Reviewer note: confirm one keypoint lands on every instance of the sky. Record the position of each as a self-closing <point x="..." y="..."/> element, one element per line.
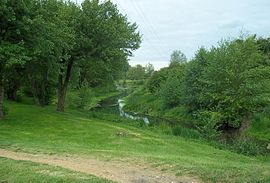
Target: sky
<point x="186" y="25"/>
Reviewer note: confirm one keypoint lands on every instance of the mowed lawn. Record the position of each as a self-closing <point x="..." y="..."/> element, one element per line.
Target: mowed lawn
<point x="34" y="129"/>
<point x="25" y="172"/>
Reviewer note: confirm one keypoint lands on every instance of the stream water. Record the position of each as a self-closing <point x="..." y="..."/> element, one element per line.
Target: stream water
<point x="114" y="105"/>
<point x="121" y="104"/>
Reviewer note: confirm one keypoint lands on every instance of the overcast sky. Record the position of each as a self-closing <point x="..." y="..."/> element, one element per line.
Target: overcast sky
<point x="186" y="25"/>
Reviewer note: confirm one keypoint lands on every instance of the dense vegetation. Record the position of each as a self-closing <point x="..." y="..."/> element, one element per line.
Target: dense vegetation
<point x="219" y="90"/>
<point x="46" y="44"/>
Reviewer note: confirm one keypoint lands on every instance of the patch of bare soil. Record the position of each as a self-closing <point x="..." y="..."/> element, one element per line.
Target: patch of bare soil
<point x="119" y="171"/>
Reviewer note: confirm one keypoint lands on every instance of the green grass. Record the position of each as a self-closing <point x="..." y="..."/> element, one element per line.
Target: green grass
<point x="26" y="172"/>
<point x="35" y="129"/>
<point x="260" y="127"/>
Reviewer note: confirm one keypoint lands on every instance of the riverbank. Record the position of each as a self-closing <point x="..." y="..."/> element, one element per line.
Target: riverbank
<point x="74" y="133"/>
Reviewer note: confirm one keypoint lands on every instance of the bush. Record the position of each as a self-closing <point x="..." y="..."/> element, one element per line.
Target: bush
<point x="250" y="147"/>
<point x="170" y="91"/>
<point x="246" y="146"/>
<point x="208" y="124"/>
<point x="82" y="99"/>
<point x="155" y="81"/>
<point x="19" y="96"/>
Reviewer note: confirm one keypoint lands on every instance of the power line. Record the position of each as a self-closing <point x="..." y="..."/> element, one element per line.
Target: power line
<point x="145" y="19"/>
<point x="147" y="23"/>
<point x="123" y="9"/>
<point x="149" y="44"/>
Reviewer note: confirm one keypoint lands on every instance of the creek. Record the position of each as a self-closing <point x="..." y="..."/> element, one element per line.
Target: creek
<point x="121" y="104"/>
<point x="115" y="105"/>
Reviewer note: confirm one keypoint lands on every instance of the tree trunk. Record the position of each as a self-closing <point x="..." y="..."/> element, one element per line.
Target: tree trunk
<point x="63" y="80"/>
<point x="12" y="94"/>
<point x="1" y="99"/>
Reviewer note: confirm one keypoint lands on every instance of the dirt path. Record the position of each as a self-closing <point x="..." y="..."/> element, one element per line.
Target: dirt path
<point x="118" y="171"/>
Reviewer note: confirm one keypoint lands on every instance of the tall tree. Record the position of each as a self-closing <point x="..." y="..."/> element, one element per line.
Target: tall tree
<point x="14" y="33"/>
<point x="52" y="39"/>
<point x="149" y="69"/>
<point x="177" y="58"/>
<point x="136" y="73"/>
<point x="101" y="33"/>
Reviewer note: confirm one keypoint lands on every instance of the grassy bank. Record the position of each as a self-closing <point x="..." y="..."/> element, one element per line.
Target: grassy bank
<point x="145" y="103"/>
<point x="43" y="130"/>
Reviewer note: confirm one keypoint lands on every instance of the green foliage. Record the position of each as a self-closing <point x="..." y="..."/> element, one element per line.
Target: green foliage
<point x="144" y="102"/>
<point x="42" y="82"/>
<point x="12" y="50"/>
<point x="264" y="46"/>
<point x="209" y="124"/>
<point x="82" y="98"/>
<point x="136" y="73"/>
<point x="245" y="145"/>
<point x="87" y="98"/>
<point x="171" y="88"/>
<point x="218" y="89"/>
<point x="260" y="126"/>
<point x="249" y="147"/>
<point x="149" y="70"/>
<point x="48" y="39"/>
<point x="14" y="80"/>
<point x="192" y="84"/>
<point x="230" y="79"/>
<point x="155" y="81"/>
<point x="101" y="33"/>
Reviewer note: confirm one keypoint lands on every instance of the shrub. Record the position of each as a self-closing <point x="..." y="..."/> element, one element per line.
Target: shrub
<point x="155" y="81"/>
<point x="245" y="145"/>
<point x="250" y="147"/>
<point x="208" y="124"/>
<point x="82" y="99"/>
<point x="170" y="91"/>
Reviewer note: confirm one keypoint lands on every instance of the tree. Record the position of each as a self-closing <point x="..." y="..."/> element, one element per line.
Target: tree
<point x="228" y="83"/>
<point x="149" y="70"/>
<point x="136" y="73"/>
<point x="171" y="88"/>
<point x="15" y="26"/>
<point x="101" y="33"/>
<point x="52" y="39"/>
<point x="157" y="79"/>
<point x="177" y="58"/>
<point x="14" y="79"/>
<point x="193" y="84"/>
<point x="264" y="46"/>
